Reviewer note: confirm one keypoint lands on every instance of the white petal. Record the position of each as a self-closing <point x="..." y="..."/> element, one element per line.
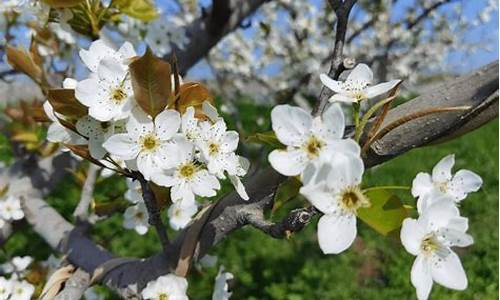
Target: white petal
<point x="149" y="164"/>
<point x="167" y="123"/>
<point x="361" y="73"/>
<point x="239" y="187"/>
<point x="70" y="83"/>
<point x="58" y="133"/>
<point x="319" y="197"/>
<point x="182" y="192"/>
<point x="49" y="111"/>
<point x="442" y="170"/>
<point x="139" y="123"/>
<point x="422" y="185"/>
<point x="449" y="272"/>
<point x="333" y="85"/>
<point x="463" y="183"/>
<point x="381" y="88"/>
<point x="230" y="141"/>
<point x="288" y="163"/>
<point x="127" y="50"/>
<point x="85" y="91"/>
<point x="347" y="171"/>
<point x="440" y="213"/>
<point x="112" y="71"/>
<point x="204" y="184"/>
<point x="122" y="146"/>
<point x="97" y="51"/>
<point x="333" y="120"/>
<point x="342" y="146"/>
<point x="291" y="124"/>
<point x="455" y="237"/>
<point x="421" y="277"/>
<point x="411" y="235"/>
<point x="342" y="98"/>
<point x="210" y="111"/>
<point x="164" y="179"/>
<point x="336" y="233"/>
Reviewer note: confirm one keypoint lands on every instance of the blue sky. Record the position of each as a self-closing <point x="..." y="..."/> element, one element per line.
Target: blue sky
<point x="460" y="62"/>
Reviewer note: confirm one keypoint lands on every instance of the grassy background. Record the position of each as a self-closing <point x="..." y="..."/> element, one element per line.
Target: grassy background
<point x="375" y="267"/>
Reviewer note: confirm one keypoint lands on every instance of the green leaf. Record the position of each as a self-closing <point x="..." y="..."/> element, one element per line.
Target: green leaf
<point x="62" y="3"/>
<point x="286" y="191"/>
<point x="6" y="153"/>
<point x="386" y="212"/>
<point x="143" y="10"/>
<point x="151" y="82"/>
<point x="266" y="138"/>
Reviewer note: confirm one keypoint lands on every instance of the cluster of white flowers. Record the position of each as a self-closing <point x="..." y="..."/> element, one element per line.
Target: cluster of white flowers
<point x="439" y="227"/>
<point x="15" y="287"/>
<point x="330" y="167"/>
<point x="10" y="209"/>
<point x="187" y="154"/>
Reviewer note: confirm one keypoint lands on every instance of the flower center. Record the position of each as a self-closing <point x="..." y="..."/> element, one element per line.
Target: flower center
<point x="118" y="94"/>
<point x="150" y="142"/>
<point x="441" y="186"/>
<point x="187" y="170"/>
<point x="356" y="89"/>
<point x="352" y="198"/>
<point x="105" y="125"/>
<point x="163" y="296"/>
<point x="430" y="244"/>
<point x="213" y="149"/>
<point x="313" y="147"/>
<point x="139" y="215"/>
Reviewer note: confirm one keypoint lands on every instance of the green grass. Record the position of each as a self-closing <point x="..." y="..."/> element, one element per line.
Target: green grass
<point x="376" y="267"/>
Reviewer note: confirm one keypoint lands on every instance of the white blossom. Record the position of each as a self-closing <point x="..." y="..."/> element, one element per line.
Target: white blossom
<point x="97" y="132"/>
<point x="357" y="86"/>
<point x="332" y="186"/>
<point x="5" y="288"/>
<point x="10" y="209"/>
<point x="221" y="287"/>
<point x="99" y="51"/>
<point x="430" y="238"/>
<point x="145" y="140"/>
<point x="306" y="137"/>
<point x="168" y="287"/>
<point x="180" y="214"/>
<point x="134" y="191"/>
<point x="162" y="33"/>
<point x="428" y="187"/>
<point x="186" y="176"/>
<point x="136" y="217"/>
<point x="21" y="290"/>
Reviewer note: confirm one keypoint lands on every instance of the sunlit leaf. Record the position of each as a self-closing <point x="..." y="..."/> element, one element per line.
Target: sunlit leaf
<point x="62" y="3"/>
<point x="64" y="102"/>
<point x="151" y="82"/>
<point x="266" y="138"/>
<point x="193" y="94"/>
<point x="25" y="137"/>
<point x="143" y="10"/>
<point x="22" y="61"/>
<point x="386" y="212"/>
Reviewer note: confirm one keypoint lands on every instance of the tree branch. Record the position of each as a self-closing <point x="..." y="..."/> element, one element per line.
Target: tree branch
<point x="81" y="212"/>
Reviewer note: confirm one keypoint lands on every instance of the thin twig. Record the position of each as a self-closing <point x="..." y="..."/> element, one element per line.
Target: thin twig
<point x="81" y="212"/>
<point x="153" y="210"/>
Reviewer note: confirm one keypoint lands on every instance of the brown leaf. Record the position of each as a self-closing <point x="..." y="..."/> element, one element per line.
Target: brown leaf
<point x="151" y="83"/>
<point x="64" y="102"/>
<point x="62" y="3"/>
<point x="193" y="94"/>
<point x="162" y="194"/>
<point x="56" y="282"/>
<point x="22" y="61"/>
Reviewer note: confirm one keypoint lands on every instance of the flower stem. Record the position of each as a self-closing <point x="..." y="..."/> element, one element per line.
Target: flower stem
<point x="355" y="116"/>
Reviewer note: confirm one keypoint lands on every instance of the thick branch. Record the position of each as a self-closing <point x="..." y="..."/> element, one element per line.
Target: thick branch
<point x="82" y="210"/>
<point x="205" y="32"/>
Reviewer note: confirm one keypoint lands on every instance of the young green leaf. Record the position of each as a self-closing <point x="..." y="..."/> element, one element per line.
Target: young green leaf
<point x="151" y="82"/>
<point x="143" y="10"/>
<point x="64" y="102"/>
<point x="386" y="212"/>
<point x="266" y="138"/>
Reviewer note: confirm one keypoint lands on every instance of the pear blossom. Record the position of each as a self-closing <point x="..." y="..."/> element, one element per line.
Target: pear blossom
<point x="162" y="34"/>
<point x="97" y="132"/>
<point x="307" y="137"/>
<point x="5" y="288"/>
<point x="442" y="182"/>
<point x="189" y="125"/>
<point x="17" y="264"/>
<point x="168" y="286"/>
<point x="21" y="290"/>
<point x="134" y="191"/>
<point x="108" y="94"/>
<point x="136" y="217"/>
<point x="332" y="186"/>
<point x="145" y="140"/>
<point x="221" y="287"/>
<point x="186" y="177"/>
<point x="357" y="86"/>
<point x="99" y="51"/>
<point x="430" y="238"/>
<point x="180" y="214"/>
<point x="10" y="209"/>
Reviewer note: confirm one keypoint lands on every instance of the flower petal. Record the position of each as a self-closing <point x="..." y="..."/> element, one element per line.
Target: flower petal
<point x="230" y="141"/>
<point x="204" y="184"/>
<point x="167" y="123"/>
<point x="449" y="272"/>
<point x="342" y="98"/>
<point x="85" y="91"/>
<point x="97" y="51"/>
<point x="239" y="187"/>
<point x="347" y="171"/>
<point x="361" y="73"/>
<point x="122" y="146"/>
<point x="319" y="196"/>
<point x="336" y="233"/>
<point x="381" y="88"/>
<point x="411" y="235"/>
<point x="422" y="185"/>
<point x="291" y="124"/>
<point x="464" y="182"/>
<point x="139" y="123"/>
<point x="288" y="163"/>
<point x="442" y="170"/>
<point x="421" y="277"/>
<point x="333" y="120"/>
<point x="333" y="85"/>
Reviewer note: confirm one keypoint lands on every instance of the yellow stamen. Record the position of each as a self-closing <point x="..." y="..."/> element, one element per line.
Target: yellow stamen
<point x="118" y="94"/>
<point x="352" y="198"/>
<point x="149" y="142"/>
<point x="313" y="147"/>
